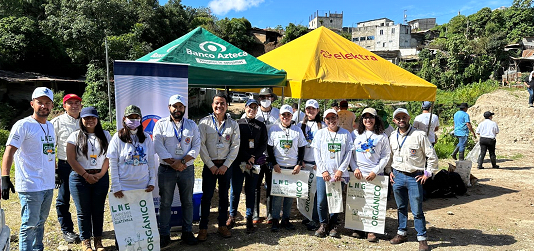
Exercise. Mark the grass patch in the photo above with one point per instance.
(516, 156)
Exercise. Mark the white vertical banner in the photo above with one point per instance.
(305, 205)
(149, 86)
(286, 184)
(134, 220)
(366, 204)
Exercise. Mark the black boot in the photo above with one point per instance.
(461, 156)
(250, 225)
(453, 155)
(494, 161)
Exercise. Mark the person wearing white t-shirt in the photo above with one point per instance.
(421, 122)
(310, 125)
(371, 152)
(31, 145)
(286, 150)
(89, 183)
(332, 148)
(131, 156)
(487, 130)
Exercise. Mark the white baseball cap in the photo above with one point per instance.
(400, 110)
(328, 112)
(286, 108)
(177, 98)
(313, 103)
(42, 91)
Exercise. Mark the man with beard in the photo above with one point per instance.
(411, 150)
(31, 146)
(64, 125)
(177, 143)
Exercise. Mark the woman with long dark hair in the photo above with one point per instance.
(89, 183)
(371, 152)
(131, 156)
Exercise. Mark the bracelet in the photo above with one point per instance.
(83, 175)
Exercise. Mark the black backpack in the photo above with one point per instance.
(439, 186)
(457, 184)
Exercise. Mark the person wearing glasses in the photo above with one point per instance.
(371, 152)
(332, 148)
(286, 151)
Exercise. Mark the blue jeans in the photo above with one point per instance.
(63, 197)
(89, 200)
(237, 185)
(461, 143)
(322, 202)
(406, 188)
(208, 188)
(531, 97)
(168, 178)
(34, 209)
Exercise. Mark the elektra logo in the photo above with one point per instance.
(212, 46)
(346, 55)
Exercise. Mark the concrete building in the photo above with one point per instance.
(383, 35)
(333, 21)
(422, 24)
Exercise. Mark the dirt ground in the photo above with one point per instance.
(497, 213)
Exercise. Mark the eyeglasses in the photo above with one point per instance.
(368, 117)
(331, 118)
(286, 114)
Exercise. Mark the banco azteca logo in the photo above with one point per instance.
(210, 46)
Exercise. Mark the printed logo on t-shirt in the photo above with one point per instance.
(138, 157)
(48, 148)
(367, 146)
(286, 144)
(187, 140)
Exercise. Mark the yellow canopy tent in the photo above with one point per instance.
(324, 65)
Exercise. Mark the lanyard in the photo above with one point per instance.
(181, 131)
(216, 126)
(251, 128)
(92, 143)
(335, 136)
(407, 134)
(47, 133)
(309, 132)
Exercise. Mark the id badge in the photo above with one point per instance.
(398, 159)
(92, 160)
(179, 150)
(251, 143)
(220, 145)
(50, 157)
(332, 154)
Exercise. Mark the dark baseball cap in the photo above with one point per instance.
(251, 101)
(89, 112)
(488, 114)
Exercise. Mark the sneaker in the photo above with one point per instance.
(71, 237)
(224, 232)
(164, 240)
(480, 167)
(333, 232)
(496, 166)
(97, 240)
(86, 245)
(312, 226)
(358, 234)
(371, 237)
(321, 232)
(256, 221)
(398, 239)
(202, 235)
(250, 226)
(276, 226)
(423, 246)
(287, 225)
(230, 223)
(189, 238)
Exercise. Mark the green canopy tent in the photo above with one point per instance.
(214, 62)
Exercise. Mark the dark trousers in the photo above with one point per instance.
(209, 181)
(250, 179)
(63, 197)
(487, 144)
(531, 96)
(266, 172)
(89, 200)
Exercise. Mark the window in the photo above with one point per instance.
(383, 44)
(381, 32)
(407, 31)
(370, 37)
(330, 20)
(355, 39)
(392, 30)
(362, 38)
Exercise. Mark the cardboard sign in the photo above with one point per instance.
(135, 217)
(366, 204)
(305, 205)
(285, 184)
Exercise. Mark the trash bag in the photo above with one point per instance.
(474, 153)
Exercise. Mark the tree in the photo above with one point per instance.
(293, 32)
(96, 91)
(235, 31)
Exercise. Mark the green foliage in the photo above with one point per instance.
(293, 32)
(58, 100)
(235, 31)
(4, 134)
(96, 91)
(108, 126)
(6, 114)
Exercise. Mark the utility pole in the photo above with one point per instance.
(405, 20)
(107, 78)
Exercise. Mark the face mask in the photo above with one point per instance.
(265, 103)
(132, 123)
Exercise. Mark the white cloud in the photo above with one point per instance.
(221, 7)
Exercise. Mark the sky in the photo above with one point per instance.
(270, 13)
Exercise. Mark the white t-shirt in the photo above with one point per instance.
(333, 151)
(301, 117)
(421, 122)
(93, 160)
(135, 167)
(371, 152)
(286, 142)
(309, 134)
(488, 129)
(35, 158)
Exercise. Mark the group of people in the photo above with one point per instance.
(234, 153)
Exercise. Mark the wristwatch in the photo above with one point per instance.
(182, 161)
